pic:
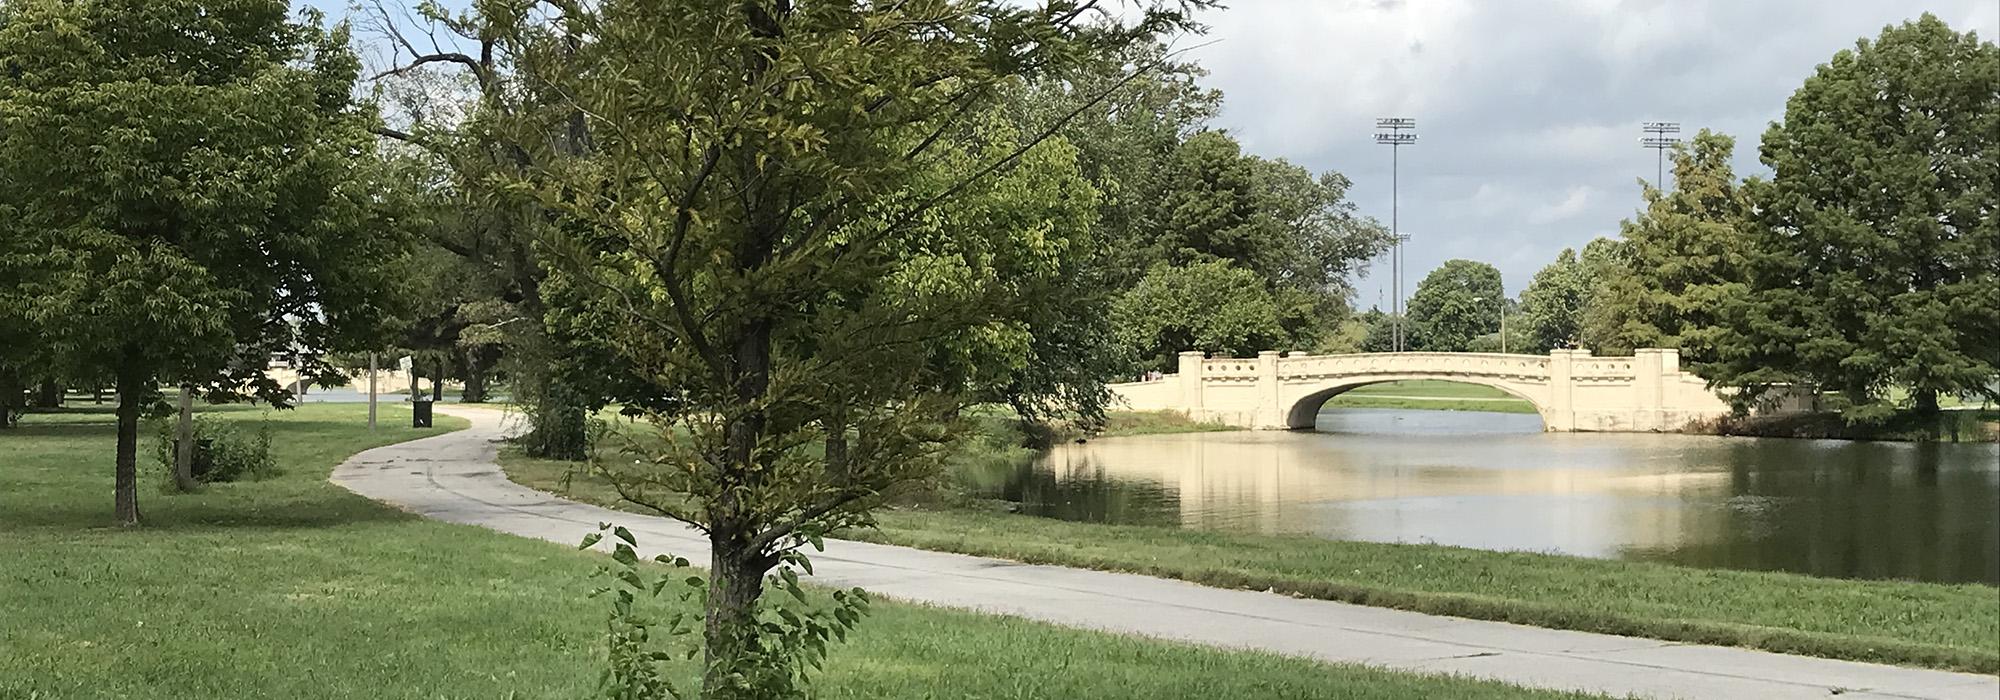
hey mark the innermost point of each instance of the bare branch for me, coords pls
(478, 71)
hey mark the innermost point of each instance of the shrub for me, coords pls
(223, 452)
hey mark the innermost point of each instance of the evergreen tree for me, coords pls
(1682, 256)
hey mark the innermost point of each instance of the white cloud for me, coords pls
(1528, 110)
(1573, 203)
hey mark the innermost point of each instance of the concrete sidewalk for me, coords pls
(454, 477)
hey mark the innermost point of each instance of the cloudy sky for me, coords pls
(1528, 110)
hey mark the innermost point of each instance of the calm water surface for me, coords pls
(1495, 481)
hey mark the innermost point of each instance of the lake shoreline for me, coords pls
(1926, 624)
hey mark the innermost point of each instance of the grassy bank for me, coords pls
(291, 587)
(1964, 425)
(1431, 395)
(1128, 423)
(1915, 624)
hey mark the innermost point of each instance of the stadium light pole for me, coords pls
(1657, 138)
(1390, 131)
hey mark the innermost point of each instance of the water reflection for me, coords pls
(1495, 481)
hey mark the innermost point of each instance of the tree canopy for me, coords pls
(1875, 248)
(1553, 302)
(197, 190)
(1459, 301)
(809, 245)
(1212, 306)
(1680, 261)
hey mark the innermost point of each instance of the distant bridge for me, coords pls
(1572, 390)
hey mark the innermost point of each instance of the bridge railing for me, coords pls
(1494, 364)
(1603, 368)
(1229, 368)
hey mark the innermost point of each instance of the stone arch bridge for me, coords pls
(1572, 390)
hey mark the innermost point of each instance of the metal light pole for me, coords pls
(1656, 138)
(371, 391)
(1390, 131)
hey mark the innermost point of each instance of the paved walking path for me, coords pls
(454, 477)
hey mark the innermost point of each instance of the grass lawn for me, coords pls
(291, 587)
(1433, 395)
(1916, 624)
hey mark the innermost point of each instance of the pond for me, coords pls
(1927, 512)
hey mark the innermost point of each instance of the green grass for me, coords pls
(291, 587)
(1126, 423)
(1962, 425)
(1919, 624)
(1914, 624)
(1430, 394)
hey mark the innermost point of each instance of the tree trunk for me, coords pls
(184, 443)
(735, 582)
(475, 379)
(556, 422)
(1926, 400)
(131, 386)
(49, 395)
(437, 384)
(11, 393)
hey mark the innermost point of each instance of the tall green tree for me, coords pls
(480, 110)
(1558, 305)
(1876, 249)
(1552, 304)
(1605, 315)
(1682, 257)
(812, 243)
(199, 186)
(1212, 306)
(1381, 334)
(1127, 144)
(1297, 231)
(1459, 301)
(1177, 192)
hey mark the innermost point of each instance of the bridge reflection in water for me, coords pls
(1828, 508)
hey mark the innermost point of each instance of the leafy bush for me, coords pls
(645, 643)
(227, 452)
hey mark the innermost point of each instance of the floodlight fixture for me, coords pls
(1396, 132)
(1656, 138)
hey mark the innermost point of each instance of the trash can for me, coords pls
(420, 414)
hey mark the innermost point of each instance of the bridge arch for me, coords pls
(1303, 412)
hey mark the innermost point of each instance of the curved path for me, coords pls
(454, 477)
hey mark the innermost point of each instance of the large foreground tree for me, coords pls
(1875, 255)
(792, 227)
(194, 182)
